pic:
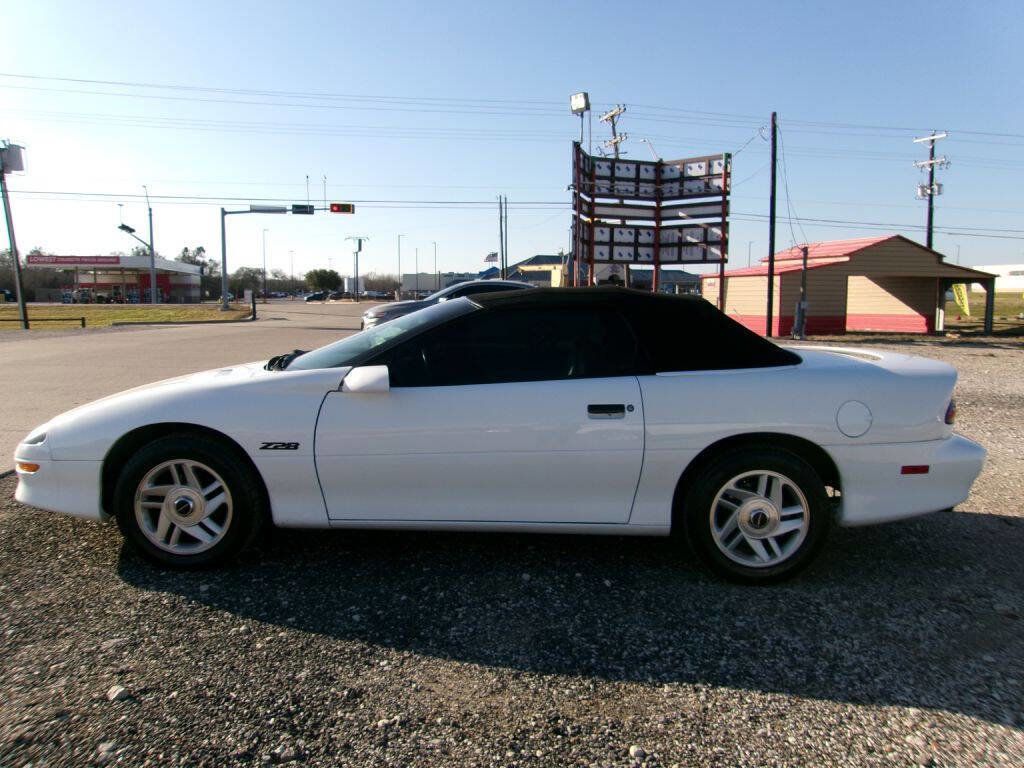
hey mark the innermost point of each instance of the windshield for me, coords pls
(352, 349)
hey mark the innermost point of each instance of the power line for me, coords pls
(534, 106)
(789, 202)
(543, 206)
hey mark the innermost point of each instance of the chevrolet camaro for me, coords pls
(598, 411)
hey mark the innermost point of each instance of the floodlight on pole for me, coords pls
(579, 104)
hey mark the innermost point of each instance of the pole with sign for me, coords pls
(650, 213)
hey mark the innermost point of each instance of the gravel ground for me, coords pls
(902, 645)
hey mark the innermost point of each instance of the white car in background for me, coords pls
(601, 411)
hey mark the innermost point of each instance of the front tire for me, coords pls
(188, 501)
(756, 515)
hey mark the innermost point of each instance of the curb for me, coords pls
(128, 323)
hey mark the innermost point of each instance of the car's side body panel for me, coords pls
(519, 452)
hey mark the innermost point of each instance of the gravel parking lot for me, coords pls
(903, 645)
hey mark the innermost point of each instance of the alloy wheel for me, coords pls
(183, 506)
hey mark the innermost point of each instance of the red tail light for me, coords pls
(951, 412)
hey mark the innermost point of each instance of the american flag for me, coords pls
(491, 257)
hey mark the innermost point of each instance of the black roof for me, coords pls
(680, 333)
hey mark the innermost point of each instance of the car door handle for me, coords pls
(606, 411)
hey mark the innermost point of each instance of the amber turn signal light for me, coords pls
(28, 467)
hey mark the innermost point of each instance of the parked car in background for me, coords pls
(382, 314)
(316, 296)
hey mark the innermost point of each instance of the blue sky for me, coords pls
(457, 102)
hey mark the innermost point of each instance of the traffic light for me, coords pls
(300, 208)
(343, 208)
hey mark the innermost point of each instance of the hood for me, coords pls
(232, 399)
(176, 384)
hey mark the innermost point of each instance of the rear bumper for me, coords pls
(875, 491)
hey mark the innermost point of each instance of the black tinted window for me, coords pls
(506, 345)
(682, 334)
(476, 288)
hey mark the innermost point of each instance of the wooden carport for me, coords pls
(887, 284)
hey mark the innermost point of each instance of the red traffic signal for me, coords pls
(343, 208)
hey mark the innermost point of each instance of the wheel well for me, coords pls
(813, 454)
(130, 442)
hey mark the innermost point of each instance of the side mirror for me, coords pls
(368, 379)
(443, 298)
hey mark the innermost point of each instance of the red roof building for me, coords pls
(888, 283)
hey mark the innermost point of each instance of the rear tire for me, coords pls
(189, 501)
(756, 515)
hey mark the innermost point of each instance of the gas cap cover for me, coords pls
(853, 418)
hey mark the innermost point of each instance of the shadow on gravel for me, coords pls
(924, 613)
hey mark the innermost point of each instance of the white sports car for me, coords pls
(552, 410)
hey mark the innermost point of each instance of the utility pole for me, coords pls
(291, 263)
(505, 244)
(800, 327)
(152, 253)
(611, 117)
(438, 288)
(399, 296)
(416, 266)
(265, 265)
(932, 189)
(750, 244)
(771, 233)
(10, 160)
(501, 238)
(359, 247)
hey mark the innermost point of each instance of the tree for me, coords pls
(381, 282)
(246, 277)
(323, 279)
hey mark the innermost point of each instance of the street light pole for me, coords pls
(399, 296)
(15, 263)
(223, 262)
(152, 254)
(223, 245)
(265, 265)
(438, 274)
(416, 265)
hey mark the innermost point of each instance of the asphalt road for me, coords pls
(902, 645)
(44, 373)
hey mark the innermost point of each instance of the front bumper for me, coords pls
(69, 487)
(875, 491)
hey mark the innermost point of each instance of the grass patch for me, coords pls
(102, 315)
(1005, 317)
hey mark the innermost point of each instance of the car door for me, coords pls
(498, 416)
